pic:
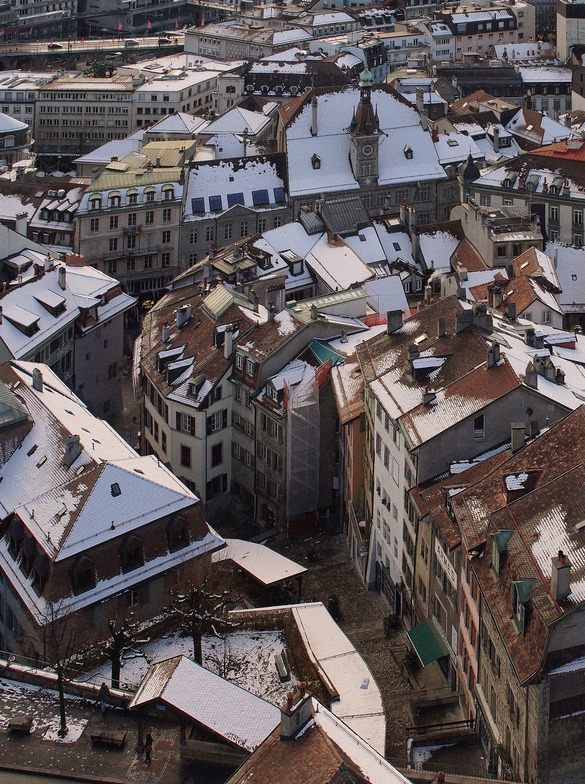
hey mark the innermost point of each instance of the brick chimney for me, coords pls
(296, 713)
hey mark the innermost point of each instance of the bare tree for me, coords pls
(59, 636)
(201, 612)
(123, 634)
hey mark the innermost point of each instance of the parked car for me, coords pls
(52, 45)
(130, 42)
(164, 41)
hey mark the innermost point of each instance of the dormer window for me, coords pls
(169, 192)
(114, 200)
(519, 598)
(132, 197)
(83, 574)
(29, 553)
(500, 541)
(272, 392)
(177, 533)
(131, 553)
(316, 161)
(40, 573)
(95, 203)
(240, 361)
(150, 194)
(408, 152)
(250, 368)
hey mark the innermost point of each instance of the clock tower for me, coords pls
(364, 131)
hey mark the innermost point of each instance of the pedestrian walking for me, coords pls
(103, 697)
(147, 748)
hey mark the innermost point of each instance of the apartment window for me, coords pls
(165, 259)
(185, 423)
(166, 237)
(378, 444)
(546, 316)
(94, 224)
(131, 219)
(244, 229)
(578, 217)
(113, 222)
(193, 237)
(485, 200)
(216, 455)
(132, 198)
(166, 215)
(479, 427)
(130, 265)
(150, 195)
(149, 218)
(113, 244)
(111, 267)
(553, 213)
(577, 239)
(261, 225)
(131, 242)
(209, 234)
(185, 456)
(227, 232)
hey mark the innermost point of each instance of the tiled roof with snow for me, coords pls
(400, 126)
(226, 710)
(237, 120)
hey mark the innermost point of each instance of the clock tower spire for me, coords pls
(365, 133)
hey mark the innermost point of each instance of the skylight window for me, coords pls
(215, 203)
(396, 245)
(279, 195)
(260, 197)
(115, 489)
(198, 205)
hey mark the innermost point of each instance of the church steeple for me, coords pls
(364, 130)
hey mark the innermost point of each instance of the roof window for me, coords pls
(115, 489)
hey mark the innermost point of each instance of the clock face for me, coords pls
(368, 150)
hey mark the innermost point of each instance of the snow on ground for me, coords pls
(422, 754)
(244, 658)
(42, 705)
(74, 729)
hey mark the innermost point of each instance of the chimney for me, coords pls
(74, 260)
(428, 292)
(158, 162)
(314, 105)
(413, 351)
(560, 578)
(533, 428)
(72, 449)
(0, 314)
(37, 380)
(463, 320)
(228, 341)
(462, 273)
(511, 310)
(441, 329)
(271, 310)
(560, 376)
(496, 140)
(313, 312)
(493, 355)
(393, 321)
(62, 276)
(183, 315)
(435, 135)
(212, 252)
(21, 223)
(517, 436)
(296, 714)
(166, 333)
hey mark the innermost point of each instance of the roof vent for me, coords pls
(37, 380)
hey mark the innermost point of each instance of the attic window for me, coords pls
(32, 450)
(396, 246)
(519, 597)
(316, 161)
(408, 152)
(500, 541)
(453, 143)
(115, 489)
(42, 461)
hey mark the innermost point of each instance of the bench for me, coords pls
(282, 666)
(114, 738)
(21, 724)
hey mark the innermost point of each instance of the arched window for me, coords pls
(169, 192)
(114, 199)
(95, 202)
(131, 553)
(83, 574)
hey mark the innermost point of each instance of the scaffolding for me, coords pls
(302, 448)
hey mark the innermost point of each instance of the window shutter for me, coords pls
(280, 434)
(209, 425)
(224, 414)
(192, 424)
(178, 421)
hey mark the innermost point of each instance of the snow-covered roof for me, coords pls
(237, 120)
(400, 126)
(118, 148)
(336, 264)
(455, 147)
(179, 122)
(27, 322)
(10, 124)
(570, 269)
(539, 74)
(216, 186)
(538, 128)
(90, 286)
(386, 293)
(265, 565)
(481, 16)
(437, 248)
(360, 702)
(225, 709)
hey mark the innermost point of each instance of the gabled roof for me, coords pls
(224, 709)
(536, 264)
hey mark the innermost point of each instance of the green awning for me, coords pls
(427, 642)
(323, 353)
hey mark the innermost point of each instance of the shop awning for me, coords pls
(427, 642)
